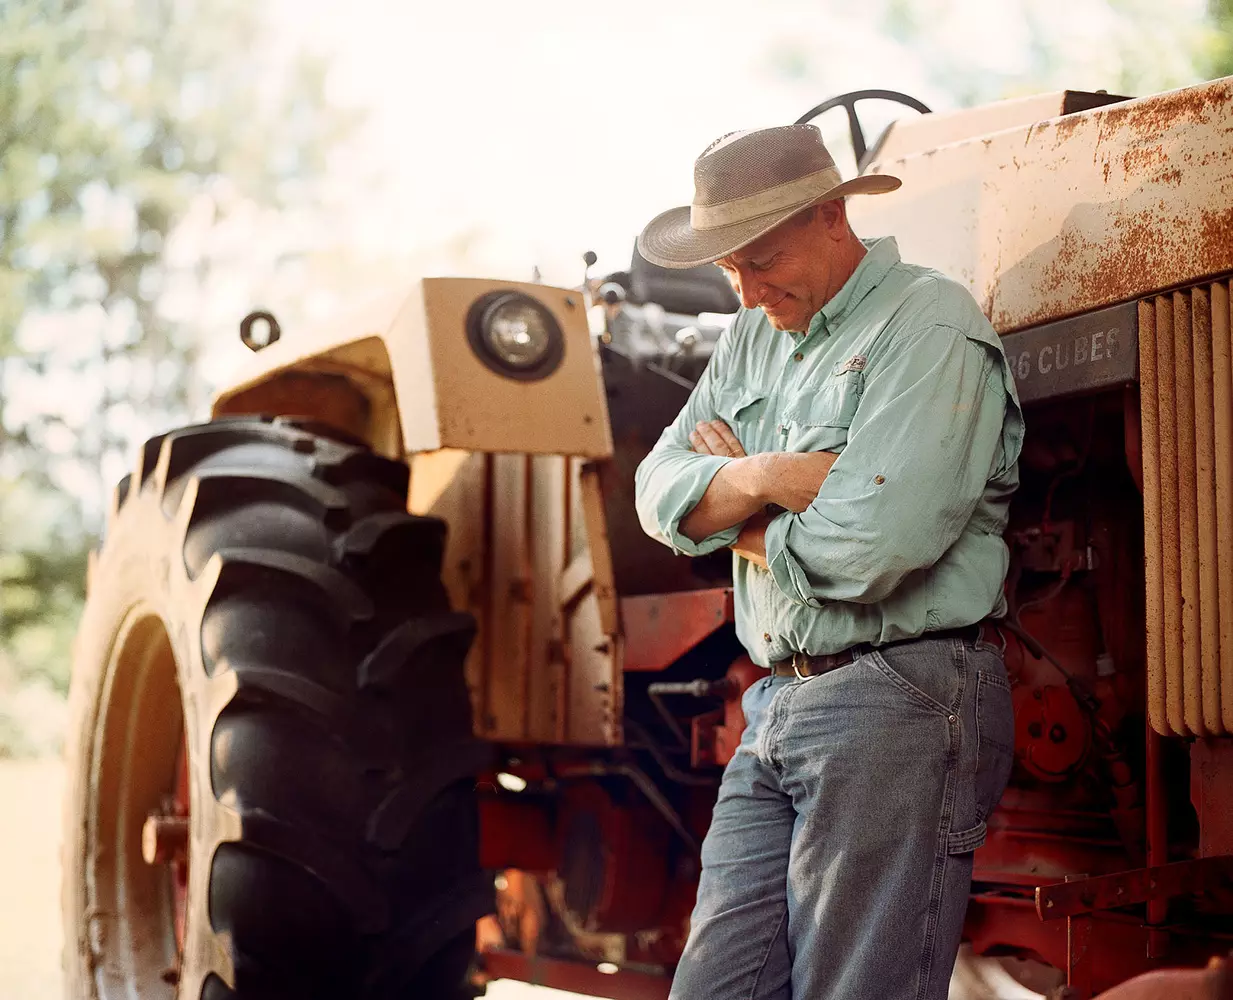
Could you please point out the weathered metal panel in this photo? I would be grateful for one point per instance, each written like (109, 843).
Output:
(1222, 401)
(1187, 419)
(414, 346)
(1093, 351)
(1183, 366)
(1170, 535)
(545, 664)
(911, 134)
(1205, 497)
(1153, 540)
(1073, 213)
(546, 527)
(509, 583)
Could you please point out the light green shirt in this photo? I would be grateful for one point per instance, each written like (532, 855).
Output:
(901, 374)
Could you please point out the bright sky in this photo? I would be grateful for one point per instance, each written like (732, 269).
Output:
(554, 126)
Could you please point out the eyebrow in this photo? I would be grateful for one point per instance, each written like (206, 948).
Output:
(752, 261)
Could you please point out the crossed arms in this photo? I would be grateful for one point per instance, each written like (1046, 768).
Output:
(742, 488)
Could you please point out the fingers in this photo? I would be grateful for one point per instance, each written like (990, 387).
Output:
(714, 437)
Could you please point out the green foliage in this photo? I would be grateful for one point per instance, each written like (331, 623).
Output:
(1219, 53)
(133, 133)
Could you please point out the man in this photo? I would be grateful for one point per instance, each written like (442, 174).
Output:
(854, 440)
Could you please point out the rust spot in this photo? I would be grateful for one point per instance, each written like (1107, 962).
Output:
(1216, 230)
(1137, 255)
(1153, 114)
(1173, 176)
(1066, 126)
(1106, 171)
(1136, 161)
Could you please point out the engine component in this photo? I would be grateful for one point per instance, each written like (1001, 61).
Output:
(613, 860)
(1052, 734)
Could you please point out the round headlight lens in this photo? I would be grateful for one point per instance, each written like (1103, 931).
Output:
(516, 335)
(517, 331)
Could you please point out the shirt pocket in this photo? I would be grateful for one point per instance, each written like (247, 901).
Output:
(743, 409)
(818, 417)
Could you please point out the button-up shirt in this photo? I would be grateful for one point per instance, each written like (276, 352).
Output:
(900, 374)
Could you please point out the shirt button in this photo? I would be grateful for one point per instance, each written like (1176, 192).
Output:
(766, 636)
(879, 479)
(798, 356)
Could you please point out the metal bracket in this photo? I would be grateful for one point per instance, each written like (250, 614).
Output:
(1139, 885)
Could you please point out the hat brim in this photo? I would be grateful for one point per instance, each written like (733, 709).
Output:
(670, 241)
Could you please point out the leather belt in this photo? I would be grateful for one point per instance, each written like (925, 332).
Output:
(812, 664)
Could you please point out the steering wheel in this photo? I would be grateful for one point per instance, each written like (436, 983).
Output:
(848, 103)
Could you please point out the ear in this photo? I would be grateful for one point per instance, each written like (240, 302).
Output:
(834, 216)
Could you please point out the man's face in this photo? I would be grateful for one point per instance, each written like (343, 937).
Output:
(790, 273)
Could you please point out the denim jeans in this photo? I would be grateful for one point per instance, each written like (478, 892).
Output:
(839, 857)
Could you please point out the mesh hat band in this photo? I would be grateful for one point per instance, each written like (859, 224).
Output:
(786, 195)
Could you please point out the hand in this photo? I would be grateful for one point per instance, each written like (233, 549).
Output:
(792, 479)
(714, 437)
(751, 542)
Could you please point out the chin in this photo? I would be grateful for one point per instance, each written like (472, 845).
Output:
(786, 324)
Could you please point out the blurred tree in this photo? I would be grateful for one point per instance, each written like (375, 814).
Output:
(145, 147)
(1220, 56)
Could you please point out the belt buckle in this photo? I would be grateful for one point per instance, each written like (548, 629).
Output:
(796, 669)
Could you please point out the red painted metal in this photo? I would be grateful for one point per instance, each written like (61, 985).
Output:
(1032, 839)
(660, 628)
(1157, 837)
(1078, 953)
(716, 735)
(576, 976)
(998, 924)
(614, 859)
(1211, 793)
(516, 831)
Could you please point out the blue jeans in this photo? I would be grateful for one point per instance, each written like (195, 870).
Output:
(839, 856)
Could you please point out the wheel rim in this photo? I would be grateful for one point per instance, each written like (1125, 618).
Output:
(138, 771)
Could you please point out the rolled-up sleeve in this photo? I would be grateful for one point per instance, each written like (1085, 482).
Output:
(672, 478)
(923, 444)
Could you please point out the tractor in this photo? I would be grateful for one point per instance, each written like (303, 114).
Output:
(380, 689)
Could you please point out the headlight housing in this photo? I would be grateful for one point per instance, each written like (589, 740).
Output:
(515, 335)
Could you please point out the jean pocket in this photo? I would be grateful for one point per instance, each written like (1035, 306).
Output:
(995, 736)
(925, 671)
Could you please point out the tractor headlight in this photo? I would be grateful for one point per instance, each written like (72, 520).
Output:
(515, 335)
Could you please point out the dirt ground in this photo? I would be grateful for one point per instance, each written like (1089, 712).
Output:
(31, 792)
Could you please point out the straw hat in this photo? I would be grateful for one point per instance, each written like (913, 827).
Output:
(746, 184)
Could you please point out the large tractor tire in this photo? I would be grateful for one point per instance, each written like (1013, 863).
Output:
(271, 786)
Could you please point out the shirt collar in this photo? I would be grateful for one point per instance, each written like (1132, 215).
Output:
(882, 255)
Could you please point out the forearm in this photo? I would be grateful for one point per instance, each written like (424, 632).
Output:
(734, 495)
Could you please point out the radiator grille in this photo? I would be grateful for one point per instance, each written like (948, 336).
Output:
(1186, 387)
